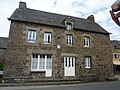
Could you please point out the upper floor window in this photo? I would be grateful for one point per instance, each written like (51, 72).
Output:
(47, 38)
(31, 36)
(86, 41)
(115, 55)
(87, 62)
(69, 39)
(118, 55)
(69, 26)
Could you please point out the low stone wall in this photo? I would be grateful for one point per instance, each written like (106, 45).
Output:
(90, 77)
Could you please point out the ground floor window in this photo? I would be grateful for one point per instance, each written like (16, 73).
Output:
(41, 62)
(87, 62)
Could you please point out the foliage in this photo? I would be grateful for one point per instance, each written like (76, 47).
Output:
(1, 67)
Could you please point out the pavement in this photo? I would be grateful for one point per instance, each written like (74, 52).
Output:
(38, 84)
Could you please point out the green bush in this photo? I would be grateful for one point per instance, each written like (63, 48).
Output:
(1, 67)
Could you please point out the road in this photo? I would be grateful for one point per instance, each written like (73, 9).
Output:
(86, 86)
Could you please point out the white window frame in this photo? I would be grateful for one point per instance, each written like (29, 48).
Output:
(115, 56)
(31, 36)
(87, 62)
(86, 41)
(44, 60)
(47, 37)
(69, 39)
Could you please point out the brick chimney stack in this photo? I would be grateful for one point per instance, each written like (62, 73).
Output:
(22, 5)
(91, 18)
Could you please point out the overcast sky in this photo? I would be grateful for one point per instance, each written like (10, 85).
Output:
(80, 8)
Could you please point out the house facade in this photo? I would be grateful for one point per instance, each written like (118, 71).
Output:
(45, 45)
(116, 55)
(3, 46)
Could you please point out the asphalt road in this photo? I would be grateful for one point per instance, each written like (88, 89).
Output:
(87, 86)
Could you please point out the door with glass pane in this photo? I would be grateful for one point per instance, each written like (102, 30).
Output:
(48, 65)
(69, 66)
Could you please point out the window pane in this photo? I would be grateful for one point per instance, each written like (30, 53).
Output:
(48, 62)
(73, 58)
(86, 41)
(65, 61)
(87, 62)
(34, 62)
(47, 38)
(69, 39)
(42, 62)
(31, 36)
(69, 61)
(115, 55)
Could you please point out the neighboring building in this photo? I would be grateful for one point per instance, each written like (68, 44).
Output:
(116, 56)
(48, 46)
(3, 46)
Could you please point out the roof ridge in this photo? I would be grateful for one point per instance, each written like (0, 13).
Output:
(61, 14)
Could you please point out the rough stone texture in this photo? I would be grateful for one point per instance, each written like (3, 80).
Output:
(3, 46)
(2, 55)
(116, 50)
(19, 51)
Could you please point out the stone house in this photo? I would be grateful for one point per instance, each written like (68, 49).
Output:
(3, 46)
(116, 55)
(49, 46)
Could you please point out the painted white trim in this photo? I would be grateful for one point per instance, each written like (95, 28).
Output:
(69, 66)
(48, 72)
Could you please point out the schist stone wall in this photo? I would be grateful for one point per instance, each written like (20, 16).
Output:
(19, 51)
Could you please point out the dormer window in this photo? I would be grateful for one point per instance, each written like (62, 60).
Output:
(68, 23)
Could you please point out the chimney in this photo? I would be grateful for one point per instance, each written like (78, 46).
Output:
(22, 5)
(91, 18)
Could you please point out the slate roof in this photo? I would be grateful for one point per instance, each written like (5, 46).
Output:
(52, 19)
(3, 42)
(115, 44)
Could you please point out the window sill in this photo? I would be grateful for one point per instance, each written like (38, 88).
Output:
(47, 43)
(87, 68)
(69, 45)
(86, 46)
(31, 42)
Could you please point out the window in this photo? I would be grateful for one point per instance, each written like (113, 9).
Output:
(86, 41)
(69, 26)
(47, 38)
(48, 62)
(87, 62)
(115, 55)
(69, 39)
(41, 62)
(118, 55)
(35, 62)
(31, 36)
